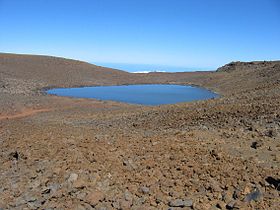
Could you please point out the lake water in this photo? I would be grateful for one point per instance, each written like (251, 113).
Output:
(138, 94)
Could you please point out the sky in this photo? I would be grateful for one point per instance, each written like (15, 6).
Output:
(183, 33)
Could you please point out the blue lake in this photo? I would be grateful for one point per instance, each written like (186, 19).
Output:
(138, 94)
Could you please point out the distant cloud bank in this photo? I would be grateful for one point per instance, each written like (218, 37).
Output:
(145, 72)
(149, 68)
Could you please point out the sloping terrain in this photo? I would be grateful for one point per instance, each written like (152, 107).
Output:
(64, 153)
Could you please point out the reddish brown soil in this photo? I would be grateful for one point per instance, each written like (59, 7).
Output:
(24, 113)
(64, 153)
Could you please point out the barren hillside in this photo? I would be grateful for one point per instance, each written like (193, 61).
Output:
(65, 153)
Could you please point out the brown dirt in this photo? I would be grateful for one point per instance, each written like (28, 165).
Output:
(24, 113)
(64, 153)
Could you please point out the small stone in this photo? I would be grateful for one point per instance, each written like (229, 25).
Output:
(81, 195)
(79, 184)
(255, 195)
(257, 144)
(231, 204)
(246, 190)
(219, 205)
(116, 205)
(276, 157)
(130, 164)
(102, 208)
(30, 199)
(216, 154)
(80, 207)
(128, 196)
(35, 184)
(226, 196)
(46, 190)
(274, 182)
(215, 186)
(272, 133)
(144, 190)
(180, 203)
(125, 205)
(93, 198)
(34, 205)
(215, 206)
(140, 201)
(159, 199)
(240, 205)
(20, 201)
(54, 187)
(73, 177)
(14, 155)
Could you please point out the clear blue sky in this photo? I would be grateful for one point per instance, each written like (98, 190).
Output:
(190, 33)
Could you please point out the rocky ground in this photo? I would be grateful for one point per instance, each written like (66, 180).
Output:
(63, 153)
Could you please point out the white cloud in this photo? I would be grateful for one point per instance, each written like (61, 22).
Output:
(145, 72)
